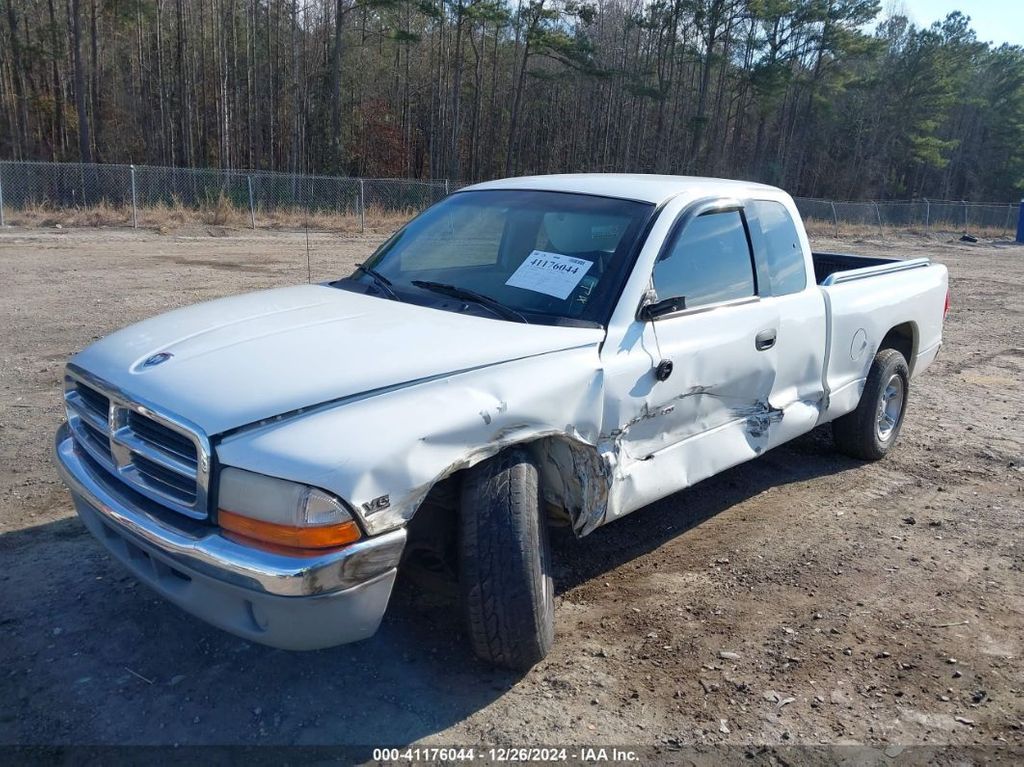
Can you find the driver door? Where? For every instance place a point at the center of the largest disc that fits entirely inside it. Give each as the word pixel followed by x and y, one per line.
pixel 716 345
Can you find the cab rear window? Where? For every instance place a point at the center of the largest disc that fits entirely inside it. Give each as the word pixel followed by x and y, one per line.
pixel 777 241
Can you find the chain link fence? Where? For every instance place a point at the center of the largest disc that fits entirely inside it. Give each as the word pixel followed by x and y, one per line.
pixel 979 218
pixel 139 195
pixel 38 193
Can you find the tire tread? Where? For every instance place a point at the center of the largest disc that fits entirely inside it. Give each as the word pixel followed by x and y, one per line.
pixel 854 433
pixel 504 557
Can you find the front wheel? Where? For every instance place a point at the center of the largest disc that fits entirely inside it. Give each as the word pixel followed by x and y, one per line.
pixel 505 562
pixel 870 431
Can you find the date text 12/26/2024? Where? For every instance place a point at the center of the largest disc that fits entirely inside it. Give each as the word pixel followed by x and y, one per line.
pixel 505 754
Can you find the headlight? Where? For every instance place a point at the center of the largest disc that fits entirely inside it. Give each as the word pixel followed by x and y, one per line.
pixel 281 512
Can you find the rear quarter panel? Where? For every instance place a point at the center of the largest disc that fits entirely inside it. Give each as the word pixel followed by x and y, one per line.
pixel 863 311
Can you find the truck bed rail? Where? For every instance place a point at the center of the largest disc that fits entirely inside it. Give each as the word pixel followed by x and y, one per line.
pixel 839 271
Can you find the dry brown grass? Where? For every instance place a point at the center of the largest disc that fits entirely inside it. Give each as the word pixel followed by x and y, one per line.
pixel 817 227
pixel 223 213
pixel 166 218
pixel 376 220
pixel 45 215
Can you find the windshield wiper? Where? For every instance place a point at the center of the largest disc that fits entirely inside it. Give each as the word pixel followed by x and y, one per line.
pixel 466 294
pixel 382 282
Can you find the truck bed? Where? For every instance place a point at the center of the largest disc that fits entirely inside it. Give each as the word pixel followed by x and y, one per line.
pixel 865 299
pixel 827 264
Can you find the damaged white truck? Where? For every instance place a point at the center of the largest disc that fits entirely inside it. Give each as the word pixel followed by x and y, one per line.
pixel 532 351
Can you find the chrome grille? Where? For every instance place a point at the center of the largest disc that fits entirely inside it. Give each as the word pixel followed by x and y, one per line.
pixel 163 457
pixel 160 437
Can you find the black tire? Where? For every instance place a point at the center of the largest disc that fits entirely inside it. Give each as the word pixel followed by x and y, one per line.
pixel 505 562
pixel 858 434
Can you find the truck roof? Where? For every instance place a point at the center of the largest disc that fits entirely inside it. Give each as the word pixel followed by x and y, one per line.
pixel 630 186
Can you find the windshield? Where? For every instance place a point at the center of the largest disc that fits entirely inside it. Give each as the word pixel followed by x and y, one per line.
pixel 514 254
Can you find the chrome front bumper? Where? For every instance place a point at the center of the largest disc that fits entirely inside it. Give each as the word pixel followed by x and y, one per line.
pixel 292 602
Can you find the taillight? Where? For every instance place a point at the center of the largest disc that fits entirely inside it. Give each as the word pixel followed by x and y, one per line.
pixel 945 309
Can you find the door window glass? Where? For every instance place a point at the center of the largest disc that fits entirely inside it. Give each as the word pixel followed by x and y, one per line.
pixel 708 262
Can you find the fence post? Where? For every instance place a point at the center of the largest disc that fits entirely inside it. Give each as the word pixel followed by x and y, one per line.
pixel 964 202
pixel 446 188
pixel 1020 224
pixel 927 214
pixel 252 204
pixel 878 215
pixel 135 207
pixel 2 223
pixel 362 207
pixel 835 216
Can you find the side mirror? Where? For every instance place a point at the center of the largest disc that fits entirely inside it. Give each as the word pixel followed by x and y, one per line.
pixel 652 311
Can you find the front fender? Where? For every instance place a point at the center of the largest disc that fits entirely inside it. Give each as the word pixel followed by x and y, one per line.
pixel 382 453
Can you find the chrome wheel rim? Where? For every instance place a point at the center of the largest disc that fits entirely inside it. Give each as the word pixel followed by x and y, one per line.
pixel 890 405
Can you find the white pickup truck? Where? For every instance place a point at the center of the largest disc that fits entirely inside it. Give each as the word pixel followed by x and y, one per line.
pixel 532 351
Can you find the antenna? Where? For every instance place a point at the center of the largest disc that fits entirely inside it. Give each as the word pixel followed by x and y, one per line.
pixel 309 268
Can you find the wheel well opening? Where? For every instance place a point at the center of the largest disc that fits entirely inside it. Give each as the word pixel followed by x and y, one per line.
pixel 902 338
pixel 573 488
pixel 430 549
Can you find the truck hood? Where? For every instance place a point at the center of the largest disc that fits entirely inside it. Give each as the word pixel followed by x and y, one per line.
pixel 238 360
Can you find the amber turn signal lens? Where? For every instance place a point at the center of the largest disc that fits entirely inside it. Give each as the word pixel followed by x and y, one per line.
pixel 322 537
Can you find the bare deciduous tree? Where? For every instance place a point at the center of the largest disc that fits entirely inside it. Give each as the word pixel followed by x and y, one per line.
pixel 793 92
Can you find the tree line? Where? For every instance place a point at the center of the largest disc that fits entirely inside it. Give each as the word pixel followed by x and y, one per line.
pixel 823 97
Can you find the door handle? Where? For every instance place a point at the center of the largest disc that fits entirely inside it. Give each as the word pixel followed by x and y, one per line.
pixel 765 340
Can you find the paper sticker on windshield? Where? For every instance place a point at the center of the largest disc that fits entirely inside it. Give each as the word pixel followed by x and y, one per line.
pixel 608 232
pixel 550 273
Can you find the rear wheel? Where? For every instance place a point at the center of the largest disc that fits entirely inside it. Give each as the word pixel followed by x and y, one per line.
pixel 505 562
pixel 870 431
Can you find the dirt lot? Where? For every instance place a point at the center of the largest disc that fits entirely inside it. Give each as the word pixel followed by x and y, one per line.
pixel 803 598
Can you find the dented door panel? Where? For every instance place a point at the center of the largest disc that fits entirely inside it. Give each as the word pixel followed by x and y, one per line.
pixel 712 412
pixel 798 393
pixel 718 377
pixel 686 463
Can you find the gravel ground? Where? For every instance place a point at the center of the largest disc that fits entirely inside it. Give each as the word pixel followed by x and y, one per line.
pixel 802 598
